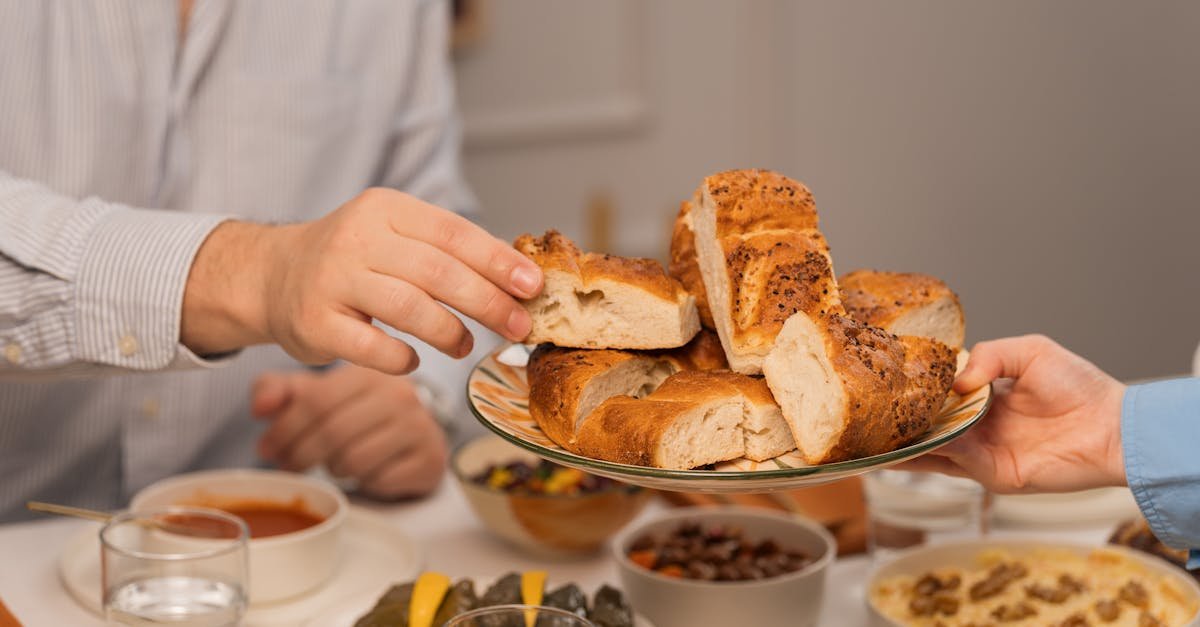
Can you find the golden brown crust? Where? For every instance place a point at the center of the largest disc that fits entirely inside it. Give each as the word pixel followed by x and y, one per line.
pixel 628 430
pixel 683 265
pixel 894 386
pixel 929 367
pixel 878 298
pixel 772 277
pixel 776 260
pixel 557 378
pixel 870 363
pixel 749 201
pixel 554 251
pixel 704 352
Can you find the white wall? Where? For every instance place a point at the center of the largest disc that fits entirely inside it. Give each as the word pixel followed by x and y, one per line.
pixel 1040 157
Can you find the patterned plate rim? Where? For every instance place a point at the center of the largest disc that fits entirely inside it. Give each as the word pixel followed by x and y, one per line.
pixel 571 459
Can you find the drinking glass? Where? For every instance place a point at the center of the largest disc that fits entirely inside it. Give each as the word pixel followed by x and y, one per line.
pixel 178 566
pixel 907 509
pixel 518 616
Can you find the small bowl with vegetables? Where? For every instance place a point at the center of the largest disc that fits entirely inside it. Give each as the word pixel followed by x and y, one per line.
pixel 539 506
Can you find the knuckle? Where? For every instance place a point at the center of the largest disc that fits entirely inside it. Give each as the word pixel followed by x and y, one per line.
pixel 501 259
pixel 375 195
pixel 436 272
pixel 403 302
pixel 449 234
pixel 495 306
pixel 362 341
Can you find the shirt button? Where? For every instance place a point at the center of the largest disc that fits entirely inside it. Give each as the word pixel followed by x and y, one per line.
pixel 150 408
pixel 12 353
pixel 128 345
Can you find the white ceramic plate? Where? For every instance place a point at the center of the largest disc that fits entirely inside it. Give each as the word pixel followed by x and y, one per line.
pixel 350 609
pixel 498 395
pixel 374 553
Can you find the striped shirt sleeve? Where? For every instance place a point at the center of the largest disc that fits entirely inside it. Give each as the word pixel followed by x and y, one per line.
pixel 92 285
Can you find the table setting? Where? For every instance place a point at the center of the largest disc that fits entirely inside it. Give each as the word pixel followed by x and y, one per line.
pixel 648 462
pixel 438 534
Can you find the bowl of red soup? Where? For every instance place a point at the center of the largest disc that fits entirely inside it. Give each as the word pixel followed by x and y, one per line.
pixel 294 522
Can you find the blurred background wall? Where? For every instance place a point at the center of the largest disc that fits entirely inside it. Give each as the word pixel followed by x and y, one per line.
pixel 1041 157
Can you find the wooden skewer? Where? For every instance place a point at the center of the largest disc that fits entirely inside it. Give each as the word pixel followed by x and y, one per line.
pixel 165 524
pixel 67 510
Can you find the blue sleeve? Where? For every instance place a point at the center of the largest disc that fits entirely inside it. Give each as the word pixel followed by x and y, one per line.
pixel 1160 438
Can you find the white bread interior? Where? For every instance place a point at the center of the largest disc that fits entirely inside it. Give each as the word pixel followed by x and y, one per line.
pixel 608 314
pixel 603 301
pixel 940 320
pixel 806 386
pixel 636 378
pixel 711 260
pixel 703 435
pixel 766 433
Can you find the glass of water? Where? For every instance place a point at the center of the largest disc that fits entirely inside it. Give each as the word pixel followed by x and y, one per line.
pixel 518 616
pixel 178 566
pixel 907 509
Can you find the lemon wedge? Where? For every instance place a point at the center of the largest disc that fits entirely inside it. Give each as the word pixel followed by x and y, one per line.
pixel 533 586
pixel 427 595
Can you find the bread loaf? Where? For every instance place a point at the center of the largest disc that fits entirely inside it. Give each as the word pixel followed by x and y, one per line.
pixel 905 303
pixel 693 419
pixel 848 390
pixel 566 384
pixel 684 266
pixel 622 405
pixel 704 352
pixel 602 301
pixel 761 258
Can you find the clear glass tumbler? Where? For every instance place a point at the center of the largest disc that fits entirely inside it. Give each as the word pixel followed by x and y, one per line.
pixel 177 566
pixel 518 616
pixel 907 509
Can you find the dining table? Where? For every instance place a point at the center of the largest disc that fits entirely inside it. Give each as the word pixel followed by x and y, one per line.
pixel 450 540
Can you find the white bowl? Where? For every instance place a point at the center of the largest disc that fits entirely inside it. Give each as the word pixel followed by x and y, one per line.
pixel 793 599
pixel 966 554
pixel 282 566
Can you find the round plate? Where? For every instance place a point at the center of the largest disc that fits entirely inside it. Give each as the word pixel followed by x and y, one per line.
pixel 375 553
pixel 498 395
pixel 345 613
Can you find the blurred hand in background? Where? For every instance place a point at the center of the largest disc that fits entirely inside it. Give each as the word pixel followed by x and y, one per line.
pixel 357 422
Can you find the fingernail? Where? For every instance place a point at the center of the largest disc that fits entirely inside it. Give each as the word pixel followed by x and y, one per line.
pixel 525 280
pixel 464 347
pixel 519 324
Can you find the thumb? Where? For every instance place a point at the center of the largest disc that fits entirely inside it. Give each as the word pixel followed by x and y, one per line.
pixel 1005 358
pixel 271 393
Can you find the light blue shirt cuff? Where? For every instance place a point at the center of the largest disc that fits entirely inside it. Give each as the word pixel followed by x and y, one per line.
pixel 1193 561
pixel 1160 438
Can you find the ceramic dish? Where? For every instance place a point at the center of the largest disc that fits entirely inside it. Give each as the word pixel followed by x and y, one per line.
pixel 792 599
pixel 967 556
pixel 546 524
pixel 498 395
pixel 373 553
pixel 350 609
pixel 281 566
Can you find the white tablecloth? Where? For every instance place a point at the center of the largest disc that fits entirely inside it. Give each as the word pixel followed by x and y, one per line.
pixel 453 540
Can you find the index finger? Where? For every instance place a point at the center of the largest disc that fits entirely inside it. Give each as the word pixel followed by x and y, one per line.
pixel 491 257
